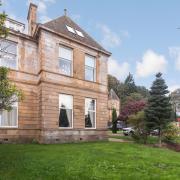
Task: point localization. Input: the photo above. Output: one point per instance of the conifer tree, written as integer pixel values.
(130, 86)
(158, 109)
(114, 121)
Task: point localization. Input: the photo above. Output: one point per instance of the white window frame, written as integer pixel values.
(94, 68)
(65, 108)
(17, 122)
(90, 111)
(16, 59)
(72, 60)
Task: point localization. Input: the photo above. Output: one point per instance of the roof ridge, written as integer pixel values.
(58, 25)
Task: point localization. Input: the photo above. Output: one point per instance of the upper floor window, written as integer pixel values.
(65, 60)
(65, 110)
(90, 68)
(8, 54)
(9, 118)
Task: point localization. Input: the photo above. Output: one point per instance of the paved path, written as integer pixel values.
(119, 140)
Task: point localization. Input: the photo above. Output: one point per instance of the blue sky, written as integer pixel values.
(142, 35)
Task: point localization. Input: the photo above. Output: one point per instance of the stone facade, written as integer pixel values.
(39, 77)
(113, 103)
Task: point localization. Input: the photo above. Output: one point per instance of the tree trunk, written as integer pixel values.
(160, 138)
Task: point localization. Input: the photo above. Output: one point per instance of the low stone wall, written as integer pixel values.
(67, 136)
(19, 136)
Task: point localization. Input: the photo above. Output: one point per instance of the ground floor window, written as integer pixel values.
(65, 110)
(9, 118)
(90, 113)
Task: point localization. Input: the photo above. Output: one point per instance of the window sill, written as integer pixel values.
(65, 128)
(8, 127)
(90, 128)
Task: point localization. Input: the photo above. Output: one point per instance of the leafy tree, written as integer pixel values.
(130, 109)
(159, 109)
(138, 123)
(9, 94)
(143, 91)
(171, 132)
(114, 121)
(3, 30)
(131, 98)
(116, 85)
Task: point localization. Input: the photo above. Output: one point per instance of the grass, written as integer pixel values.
(84, 161)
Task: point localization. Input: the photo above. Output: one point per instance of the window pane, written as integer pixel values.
(90, 119)
(65, 118)
(65, 53)
(65, 67)
(90, 113)
(8, 51)
(66, 109)
(89, 104)
(9, 118)
(8, 60)
(90, 61)
(65, 101)
(8, 46)
(70, 29)
(89, 74)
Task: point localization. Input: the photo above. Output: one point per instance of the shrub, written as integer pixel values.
(138, 123)
(171, 133)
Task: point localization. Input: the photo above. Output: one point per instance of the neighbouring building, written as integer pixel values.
(63, 74)
(175, 101)
(113, 103)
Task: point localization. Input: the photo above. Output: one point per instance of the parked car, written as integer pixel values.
(155, 132)
(128, 131)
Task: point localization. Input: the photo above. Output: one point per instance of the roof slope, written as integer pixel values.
(59, 25)
(113, 95)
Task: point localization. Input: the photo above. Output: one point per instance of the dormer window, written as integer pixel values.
(65, 60)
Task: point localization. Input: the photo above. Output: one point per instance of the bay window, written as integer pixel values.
(90, 68)
(9, 118)
(65, 110)
(8, 54)
(90, 113)
(65, 60)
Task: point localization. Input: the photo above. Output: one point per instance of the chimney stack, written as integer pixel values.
(32, 18)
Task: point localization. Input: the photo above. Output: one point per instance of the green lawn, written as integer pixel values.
(83, 161)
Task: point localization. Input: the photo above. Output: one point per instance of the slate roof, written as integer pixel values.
(59, 25)
(113, 95)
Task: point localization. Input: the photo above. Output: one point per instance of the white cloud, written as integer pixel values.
(120, 71)
(175, 53)
(150, 64)
(42, 8)
(110, 39)
(174, 87)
